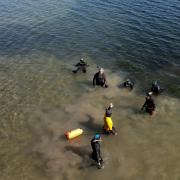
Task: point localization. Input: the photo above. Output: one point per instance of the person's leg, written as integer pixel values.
(75, 71)
(106, 131)
(147, 110)
(84, 69)
(151, 111)
(93, 155)
(106, 86)
(131, 87)
(114, 132)
(99, 160)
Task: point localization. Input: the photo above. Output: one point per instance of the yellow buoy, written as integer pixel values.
(74, 133)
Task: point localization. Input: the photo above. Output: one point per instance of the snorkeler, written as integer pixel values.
(128, 84)
(100, 78)
(149, 104)
(108, 123)
(96, 154)
(81, 66)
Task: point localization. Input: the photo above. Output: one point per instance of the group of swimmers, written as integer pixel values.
(99, 79)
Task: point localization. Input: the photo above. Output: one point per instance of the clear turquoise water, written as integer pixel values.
(40, 41)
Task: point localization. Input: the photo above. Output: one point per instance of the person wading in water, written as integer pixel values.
(156, 89)
(96, 148)
(108, 123)
(149, 104)
(100, 79)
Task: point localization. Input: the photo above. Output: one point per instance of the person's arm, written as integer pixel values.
(143, 105)
(94, 80)
(86, 64)
(98, 156)
(104, 77)
(154, 106)
(131, 85)
(77, 64)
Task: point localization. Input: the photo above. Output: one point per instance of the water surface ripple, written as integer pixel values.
(41, 40)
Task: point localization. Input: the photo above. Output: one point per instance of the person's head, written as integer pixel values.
(148, 95)
(108, 113)
(101, 70)
(155, 83)
(97, 137)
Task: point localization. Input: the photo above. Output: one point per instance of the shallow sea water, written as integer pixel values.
(33, 145)
(41, 99)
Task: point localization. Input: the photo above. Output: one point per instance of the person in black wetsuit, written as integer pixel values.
(149, 104)
(81, 66)
(155, 88)
(100, 78)
(96, 154)
(128, 84)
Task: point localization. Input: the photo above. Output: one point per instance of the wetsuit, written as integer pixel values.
(128, 84)
(96, 154)
(108, 111)
(149, 105)
(81, 66)
(99, 79)
(155, 89)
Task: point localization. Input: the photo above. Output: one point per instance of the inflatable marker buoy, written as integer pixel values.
(74, 133)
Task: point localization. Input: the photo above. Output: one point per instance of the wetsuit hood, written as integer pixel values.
(97, 137)
(108, 112)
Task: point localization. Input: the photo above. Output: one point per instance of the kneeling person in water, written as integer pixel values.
(100, 79)
(81, 66)
(96, 154)
(149, 104)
